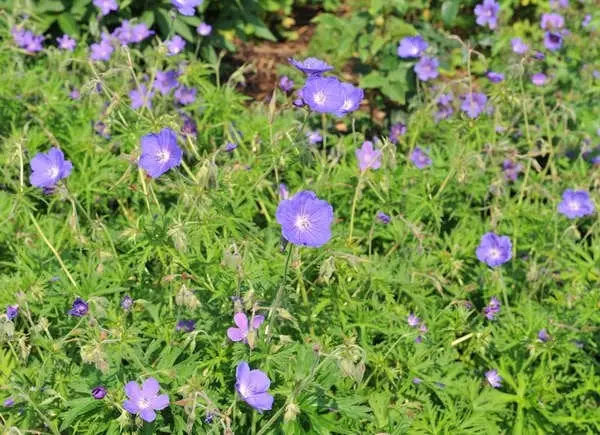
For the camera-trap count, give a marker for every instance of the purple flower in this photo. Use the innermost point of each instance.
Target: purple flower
(100, 128)
(106, 6)
(9, 402)
(352, 96)
(417, 381)
(412, 46)
(204, 29)
(79, 308)
(553, 41)
(444, 107)
(99, 392)
(420, 158)
(368, 156)
(586, 20)
(495, 77)
(518, 46)
(383, 218)
(184, 95)
(305, 219)
(427, 68)
(286, 84)
(314, 137)
(283, 191)
(397, 130)
(141, 97)
(493, 378)
(487, 14)
(576, 204)
(229, 147)
(186, 7)
(538, 55)
(166, 81)
(48, 169)
(145, 400)
(139, 32)
(492, 308)
(298, 102)
(511, 170)
(252, 387)
(323, 94)
(559, 3)
(160, 152)
(539, 79)
(65, 42)
(311, 66)
(473, 104)
(12, 311)
(241, 332)
(75, 95)
(124, 33)
(413, 321)
(494, 250)
(27, 40)
(543, 335)
(552, 21)
(175, 45)
(102, 50)
(189, 127)
(185, 325)
(126, 302)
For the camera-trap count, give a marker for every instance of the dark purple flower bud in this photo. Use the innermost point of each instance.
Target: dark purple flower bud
(511, 170)
(189, 127)
(382, 217)
(79, 308)
(12, 311)
(229, 147)
(298, 102)
(126, 302)
(493, 378)
(543, 335)
(397, 130)
(99, 392)
(286, 84)
(553, 41)
(9, 402)
(492, 309)
(186, 325)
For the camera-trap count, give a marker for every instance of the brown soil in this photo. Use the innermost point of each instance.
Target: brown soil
(265, 56)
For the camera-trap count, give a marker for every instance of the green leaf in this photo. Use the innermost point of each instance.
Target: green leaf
(449, 11)
(77, 408)
(183, 29)
(50, 6)
(68, 24)
(373, 80)
(192, 21)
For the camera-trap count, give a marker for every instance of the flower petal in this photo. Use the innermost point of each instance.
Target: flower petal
(131, 406)
(148, 415)
(161, 402)
(241, 321)
(257, 320)
(150, 387)
(258, 381)
(133, 391)
(236, 334)
(261, 402)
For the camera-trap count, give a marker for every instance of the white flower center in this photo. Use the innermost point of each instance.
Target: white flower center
(53, 172)
(163, 156)
(494, 253)
(320, 98)
(573, 205)
(144, 403)
(347, 104)
(302, 222)
(244, 390)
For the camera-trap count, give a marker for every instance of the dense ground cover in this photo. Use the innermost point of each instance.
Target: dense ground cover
(146, 203)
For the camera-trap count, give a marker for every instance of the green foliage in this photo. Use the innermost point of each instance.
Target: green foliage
(339, 352)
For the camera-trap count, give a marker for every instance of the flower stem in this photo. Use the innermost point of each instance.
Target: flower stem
(277, 301)
(54, 251)
(354, 200)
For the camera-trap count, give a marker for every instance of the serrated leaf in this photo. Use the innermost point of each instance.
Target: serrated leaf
(78, 408)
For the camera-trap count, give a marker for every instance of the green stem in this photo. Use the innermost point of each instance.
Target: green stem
(354, 201)
(277, 301)
(54, 251)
